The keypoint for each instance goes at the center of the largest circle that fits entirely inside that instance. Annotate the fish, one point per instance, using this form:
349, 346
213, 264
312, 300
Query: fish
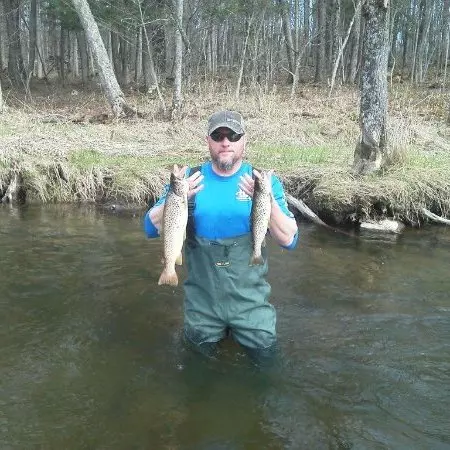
260, 214
173, 229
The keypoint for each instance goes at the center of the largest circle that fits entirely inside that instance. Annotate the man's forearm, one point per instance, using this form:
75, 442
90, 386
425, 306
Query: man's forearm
156, 216
282, 228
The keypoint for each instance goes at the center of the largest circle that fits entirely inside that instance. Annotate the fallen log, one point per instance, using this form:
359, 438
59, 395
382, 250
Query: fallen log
385, 225
303, 209
435, 217
301, 206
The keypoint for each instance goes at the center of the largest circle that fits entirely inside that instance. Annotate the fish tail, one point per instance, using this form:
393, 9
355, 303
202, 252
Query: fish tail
179, 260
168, 276
256, 260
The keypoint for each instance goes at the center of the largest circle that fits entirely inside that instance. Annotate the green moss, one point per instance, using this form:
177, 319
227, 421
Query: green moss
85, 159
287, 158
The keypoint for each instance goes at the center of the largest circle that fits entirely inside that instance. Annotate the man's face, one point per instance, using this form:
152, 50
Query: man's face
225, 154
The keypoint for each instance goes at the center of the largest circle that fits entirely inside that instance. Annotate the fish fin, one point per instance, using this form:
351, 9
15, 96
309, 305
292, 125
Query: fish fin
168, 276
256, 260
263, 242
179, 260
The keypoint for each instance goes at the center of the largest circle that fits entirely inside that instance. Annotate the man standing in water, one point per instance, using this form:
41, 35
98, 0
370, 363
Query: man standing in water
223, 294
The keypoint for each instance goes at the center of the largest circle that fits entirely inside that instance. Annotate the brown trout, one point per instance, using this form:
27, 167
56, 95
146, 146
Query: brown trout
173, 229
260, 214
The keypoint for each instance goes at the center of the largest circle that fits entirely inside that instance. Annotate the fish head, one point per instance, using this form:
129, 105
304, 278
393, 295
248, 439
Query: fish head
179, 185
263, 181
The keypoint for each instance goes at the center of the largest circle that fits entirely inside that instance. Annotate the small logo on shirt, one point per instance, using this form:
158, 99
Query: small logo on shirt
242, 196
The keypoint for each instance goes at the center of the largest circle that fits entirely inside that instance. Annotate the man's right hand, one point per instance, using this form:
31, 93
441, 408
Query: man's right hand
194, 180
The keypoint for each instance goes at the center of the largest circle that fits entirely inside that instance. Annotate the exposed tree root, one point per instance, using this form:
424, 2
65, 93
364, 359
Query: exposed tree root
435, 217
12, 192
300, 206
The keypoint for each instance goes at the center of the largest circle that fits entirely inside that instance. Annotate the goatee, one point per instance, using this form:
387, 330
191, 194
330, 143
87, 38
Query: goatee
224, 165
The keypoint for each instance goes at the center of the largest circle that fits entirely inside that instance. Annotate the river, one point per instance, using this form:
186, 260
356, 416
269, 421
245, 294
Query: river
91, 353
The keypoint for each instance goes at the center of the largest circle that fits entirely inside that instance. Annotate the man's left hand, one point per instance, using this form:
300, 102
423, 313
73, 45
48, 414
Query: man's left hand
247, 183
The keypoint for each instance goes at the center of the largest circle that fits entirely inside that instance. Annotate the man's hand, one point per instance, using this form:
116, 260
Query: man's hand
247, 183
194, 180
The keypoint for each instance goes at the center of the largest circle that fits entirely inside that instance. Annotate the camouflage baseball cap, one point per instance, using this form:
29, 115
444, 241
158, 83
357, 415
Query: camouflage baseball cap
226, 119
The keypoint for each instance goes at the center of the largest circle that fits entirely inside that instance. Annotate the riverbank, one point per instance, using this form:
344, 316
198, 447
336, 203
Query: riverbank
62, 147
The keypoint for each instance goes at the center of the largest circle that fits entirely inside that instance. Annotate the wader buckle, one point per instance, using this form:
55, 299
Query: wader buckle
226, 253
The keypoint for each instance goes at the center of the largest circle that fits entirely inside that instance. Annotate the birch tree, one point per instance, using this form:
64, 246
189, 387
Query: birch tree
3, 37
371, 151
107, 78
177, 99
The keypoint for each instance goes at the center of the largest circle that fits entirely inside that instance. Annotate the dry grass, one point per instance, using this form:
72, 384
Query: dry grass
309, 140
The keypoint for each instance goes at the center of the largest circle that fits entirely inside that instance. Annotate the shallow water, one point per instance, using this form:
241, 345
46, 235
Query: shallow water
92, 357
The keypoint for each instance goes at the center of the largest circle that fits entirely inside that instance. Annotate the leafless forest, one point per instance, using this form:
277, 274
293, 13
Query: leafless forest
377, 65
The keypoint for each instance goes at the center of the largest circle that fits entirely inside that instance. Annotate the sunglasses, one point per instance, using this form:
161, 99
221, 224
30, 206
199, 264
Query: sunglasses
219, 136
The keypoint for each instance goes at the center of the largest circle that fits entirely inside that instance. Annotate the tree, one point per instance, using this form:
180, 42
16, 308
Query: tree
1, 97
371, 151
321, 41
286, 20
177, 99
16, 69
107, 78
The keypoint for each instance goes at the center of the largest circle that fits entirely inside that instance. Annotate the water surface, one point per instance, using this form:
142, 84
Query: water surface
91, 355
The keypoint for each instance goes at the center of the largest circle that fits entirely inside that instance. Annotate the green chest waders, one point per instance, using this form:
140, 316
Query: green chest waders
223, 293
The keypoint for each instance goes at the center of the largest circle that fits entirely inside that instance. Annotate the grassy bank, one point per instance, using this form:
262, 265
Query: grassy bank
65, 150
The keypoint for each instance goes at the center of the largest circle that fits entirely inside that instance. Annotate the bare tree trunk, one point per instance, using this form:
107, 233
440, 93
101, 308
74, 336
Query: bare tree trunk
177, 96
446, 54
33, 38
1, 97
62, 55
40, 70
335, 33
75, 57
414, 52
3, 37
354, 58
445, 35
138, 57
107, 77
371, 151
115, 45
306, 28
16, 69
83, 51
426, 7
341, 50
124, 57
148, 65
406, 39
244, 51
321, 41
285, 15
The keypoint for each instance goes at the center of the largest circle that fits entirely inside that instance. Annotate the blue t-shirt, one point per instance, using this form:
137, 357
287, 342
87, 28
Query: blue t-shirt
222, 209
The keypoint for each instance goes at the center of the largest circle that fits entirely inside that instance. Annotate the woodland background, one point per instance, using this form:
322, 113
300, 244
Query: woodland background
314, 78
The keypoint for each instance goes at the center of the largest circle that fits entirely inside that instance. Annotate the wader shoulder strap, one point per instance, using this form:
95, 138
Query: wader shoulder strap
190, 229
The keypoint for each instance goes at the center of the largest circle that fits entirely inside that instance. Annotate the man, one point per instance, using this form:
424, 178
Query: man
223, 294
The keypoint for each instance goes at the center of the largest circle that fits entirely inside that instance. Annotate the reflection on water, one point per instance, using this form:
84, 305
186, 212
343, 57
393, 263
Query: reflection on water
92, 356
